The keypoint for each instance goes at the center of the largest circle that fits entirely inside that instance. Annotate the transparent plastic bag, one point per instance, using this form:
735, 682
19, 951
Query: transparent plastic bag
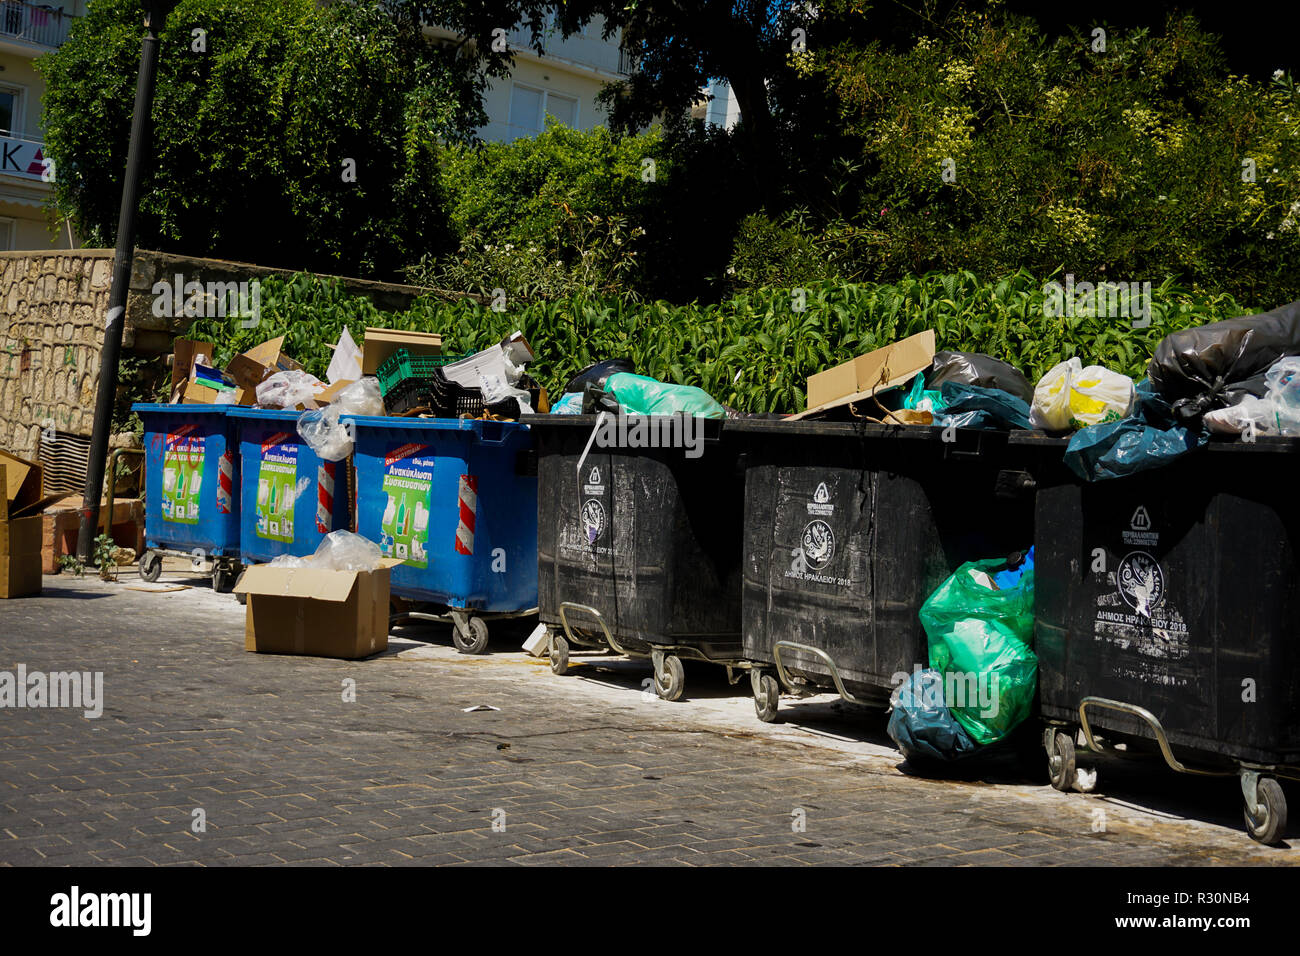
495, 389
331, 439
288, 389
345, 551
338, 551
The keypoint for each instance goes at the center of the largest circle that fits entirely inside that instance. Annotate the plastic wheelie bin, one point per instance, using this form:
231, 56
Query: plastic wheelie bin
1166, 604
289, 498
638, 548
457, 500
849, 527
191, 482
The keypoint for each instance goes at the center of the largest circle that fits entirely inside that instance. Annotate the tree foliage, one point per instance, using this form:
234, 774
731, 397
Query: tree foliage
261, 108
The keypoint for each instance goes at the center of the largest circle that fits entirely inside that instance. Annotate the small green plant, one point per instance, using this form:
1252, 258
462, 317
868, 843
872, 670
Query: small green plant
105, 557
72, 564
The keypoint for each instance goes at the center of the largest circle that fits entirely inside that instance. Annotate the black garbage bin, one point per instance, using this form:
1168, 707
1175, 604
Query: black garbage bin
848, 529
638, 548
1166, 605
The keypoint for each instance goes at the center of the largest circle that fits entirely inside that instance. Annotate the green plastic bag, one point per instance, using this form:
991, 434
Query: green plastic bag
980, 640
919, 393
641, 395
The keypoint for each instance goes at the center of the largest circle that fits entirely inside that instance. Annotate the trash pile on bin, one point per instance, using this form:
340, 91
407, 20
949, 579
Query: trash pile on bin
1238, 378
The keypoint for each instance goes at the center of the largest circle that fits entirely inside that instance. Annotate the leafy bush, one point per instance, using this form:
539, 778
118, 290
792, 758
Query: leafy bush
752, 351
1133, 161
252, 132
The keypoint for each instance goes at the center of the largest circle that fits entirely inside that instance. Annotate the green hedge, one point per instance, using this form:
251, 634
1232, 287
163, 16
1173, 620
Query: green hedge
753, 351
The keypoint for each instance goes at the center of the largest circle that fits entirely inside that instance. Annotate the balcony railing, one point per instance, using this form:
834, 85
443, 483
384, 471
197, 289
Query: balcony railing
38, 24
627, 62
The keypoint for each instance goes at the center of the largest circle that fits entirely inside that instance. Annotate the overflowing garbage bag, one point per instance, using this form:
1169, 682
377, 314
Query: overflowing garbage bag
974, 406
329, 438
1149, 438
631, 394
338, 551
597, 374
922, 726
1277, 413
1071, 396
975, 368
1221, 364
289, 389
980, 637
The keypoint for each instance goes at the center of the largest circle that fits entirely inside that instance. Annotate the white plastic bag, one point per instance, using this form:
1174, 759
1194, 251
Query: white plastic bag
288, 389
1277, 413
1261, 413
1071, 396
329, 438
496, 390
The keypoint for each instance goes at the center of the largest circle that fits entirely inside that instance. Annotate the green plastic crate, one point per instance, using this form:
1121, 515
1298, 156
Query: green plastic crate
402, 365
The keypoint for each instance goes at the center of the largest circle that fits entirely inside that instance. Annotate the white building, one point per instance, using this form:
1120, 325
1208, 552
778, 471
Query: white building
564, 80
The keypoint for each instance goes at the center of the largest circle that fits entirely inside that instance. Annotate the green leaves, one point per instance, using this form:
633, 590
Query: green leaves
752, 352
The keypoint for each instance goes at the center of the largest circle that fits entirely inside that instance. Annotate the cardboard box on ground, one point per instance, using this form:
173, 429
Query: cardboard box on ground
22, 502
315, 611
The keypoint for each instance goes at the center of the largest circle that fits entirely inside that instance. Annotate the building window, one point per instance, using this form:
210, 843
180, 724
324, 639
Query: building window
11, 110
529, 107
7, 230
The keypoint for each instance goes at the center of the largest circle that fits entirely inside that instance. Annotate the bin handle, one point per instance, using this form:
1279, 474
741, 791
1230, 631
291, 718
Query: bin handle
496, 436
1148, 718
600, 619
815, 652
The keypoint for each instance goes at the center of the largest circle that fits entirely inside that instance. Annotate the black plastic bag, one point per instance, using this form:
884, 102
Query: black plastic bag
974, 368
1217, 365
597, 374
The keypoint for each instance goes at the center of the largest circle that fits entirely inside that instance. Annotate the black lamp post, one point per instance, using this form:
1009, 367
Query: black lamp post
155, 12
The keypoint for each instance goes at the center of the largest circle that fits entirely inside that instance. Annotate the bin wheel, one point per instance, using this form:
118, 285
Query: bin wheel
559, 655
1267, 822
670, 680
473, 639
222, 579
767, 696
1060, 761
150, 566
242, 598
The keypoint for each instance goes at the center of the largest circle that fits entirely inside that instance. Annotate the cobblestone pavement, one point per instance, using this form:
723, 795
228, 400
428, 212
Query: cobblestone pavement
585, 769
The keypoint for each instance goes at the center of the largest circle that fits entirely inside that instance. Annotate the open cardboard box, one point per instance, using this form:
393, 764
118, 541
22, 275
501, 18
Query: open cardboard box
315, 611
22, 501
380, 344
864, 376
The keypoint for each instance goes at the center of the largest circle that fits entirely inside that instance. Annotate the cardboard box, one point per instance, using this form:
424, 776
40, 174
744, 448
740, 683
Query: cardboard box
253, 367
21, 504
184, 354
868, 374
380, 344
311, 611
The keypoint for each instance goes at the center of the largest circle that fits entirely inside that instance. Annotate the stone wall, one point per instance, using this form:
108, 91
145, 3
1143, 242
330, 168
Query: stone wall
52, 311
53, 307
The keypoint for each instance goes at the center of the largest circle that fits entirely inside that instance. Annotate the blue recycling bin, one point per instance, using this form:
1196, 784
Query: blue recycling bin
290, 498
191, 479
456, 499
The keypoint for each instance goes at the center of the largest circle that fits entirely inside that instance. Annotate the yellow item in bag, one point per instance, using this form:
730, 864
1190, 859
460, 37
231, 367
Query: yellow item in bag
1071, 396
